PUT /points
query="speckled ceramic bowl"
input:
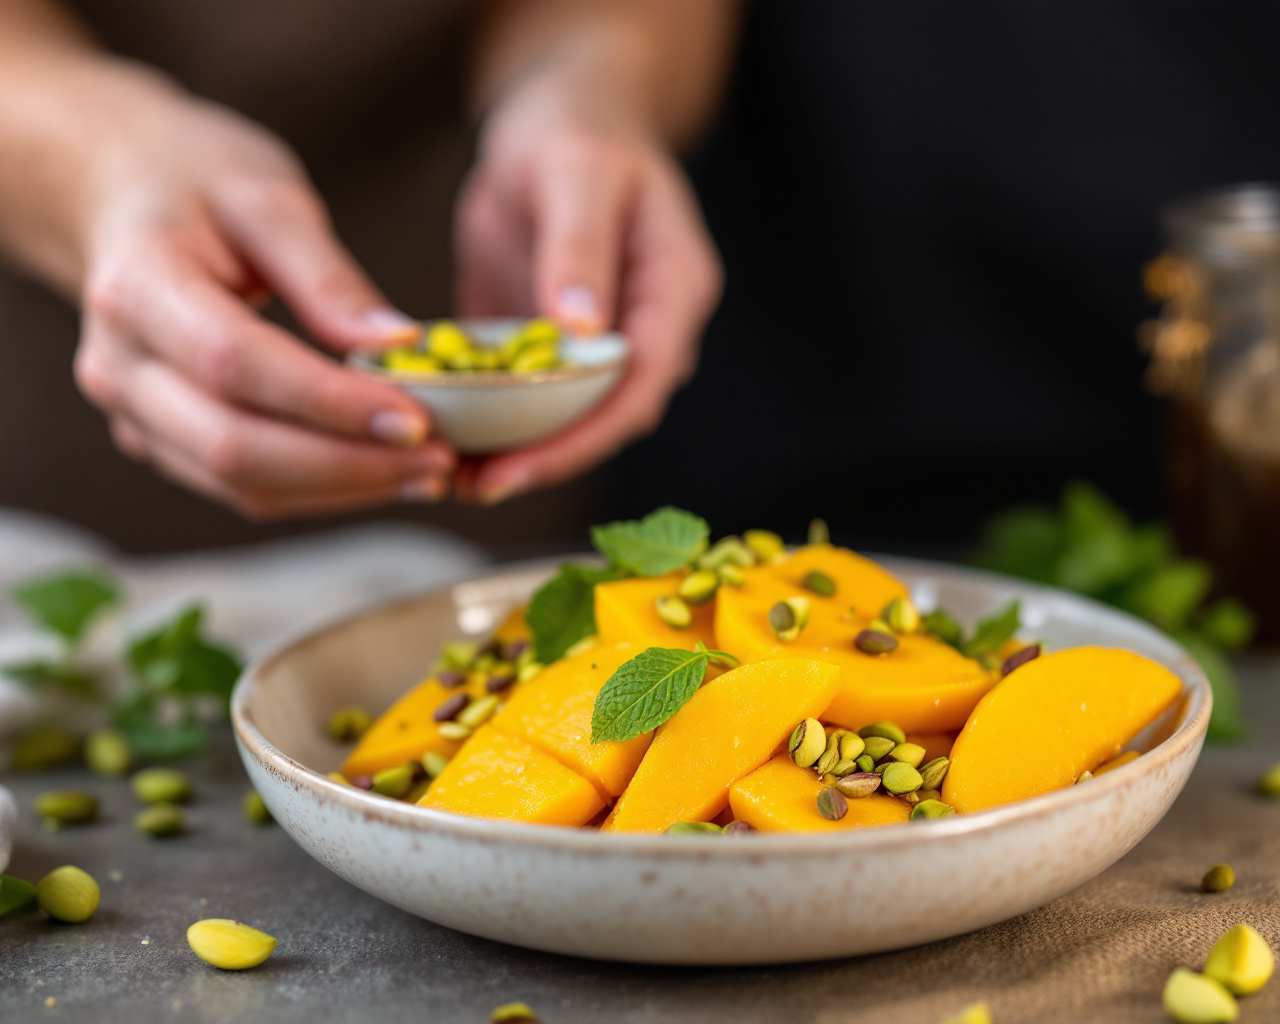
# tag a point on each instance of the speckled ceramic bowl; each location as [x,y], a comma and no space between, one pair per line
[481,413]
[689,899]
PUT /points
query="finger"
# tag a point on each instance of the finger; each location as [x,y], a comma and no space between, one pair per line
[492,247]
[580,213]
[171,306]
[284,231]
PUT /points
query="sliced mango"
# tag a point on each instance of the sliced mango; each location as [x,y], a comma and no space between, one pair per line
[406,730]
[626,610]
[500,776]
[780,797]
[553,712]
[860,582]
[513,627]
[727,729]
[1050,720]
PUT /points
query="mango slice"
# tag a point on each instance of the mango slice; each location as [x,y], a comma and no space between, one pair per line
[513,627]
[500,776]
[552,711]
[1052,719]
[780,797]
[406,730]
[727,729]
[860,582]
[626,610]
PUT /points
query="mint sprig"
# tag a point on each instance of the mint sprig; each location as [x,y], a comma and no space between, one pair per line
[67,602]
[562,611]
[661,542]
[647,690]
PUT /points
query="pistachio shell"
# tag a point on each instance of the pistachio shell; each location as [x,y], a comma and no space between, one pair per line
[229,945]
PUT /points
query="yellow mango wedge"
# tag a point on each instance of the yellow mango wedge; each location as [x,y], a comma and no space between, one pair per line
[1050,720]
[499,776]
[780,797]
[552,711]
[860,582]
[727,729]
[406,730]
[627,610]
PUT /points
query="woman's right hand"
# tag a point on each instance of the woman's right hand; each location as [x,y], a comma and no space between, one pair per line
[191,218]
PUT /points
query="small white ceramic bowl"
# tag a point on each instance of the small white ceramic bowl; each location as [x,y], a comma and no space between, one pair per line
[482,413]
[695,899]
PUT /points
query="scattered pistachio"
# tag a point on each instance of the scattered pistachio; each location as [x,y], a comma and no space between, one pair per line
[106,752]
[68,894]
[393,782]
[453,731]
[1241,961]
[873,641]
[161,786]
[66,806]
[500,683]
[877,747]
[229,945]
[908,753]
[530,669]
[513,1013]
[807,743]
[933,772]
[899,777]
[42,747]
[673,611]
[254,808]
[1270,782]
[346,725]
[766,546]
[160,820]
[859,784]
[829,759]
[885,730]
[459,654]
[818,532]
[694,828]
[737,828]
[819,583]
[727,551]
[1085,776]
[879,769]
[485,663]
[1019,658]
[788,617]
[434,763]
[1191,998]
[851,745]
[448,710]
[900,615]
[832,805]
[931,809]
[477,712]
[698,587]
[450,679]
[731,575]
[843,767]
[865,763]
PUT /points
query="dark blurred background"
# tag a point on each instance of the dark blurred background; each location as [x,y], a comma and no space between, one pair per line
[933,219]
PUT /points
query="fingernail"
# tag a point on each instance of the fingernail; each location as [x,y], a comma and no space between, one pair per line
[508,487]
[391,324]
[429,489]
[398,428]
[579,309]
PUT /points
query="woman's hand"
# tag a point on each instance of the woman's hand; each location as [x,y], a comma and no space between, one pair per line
[192,217]
[576,210]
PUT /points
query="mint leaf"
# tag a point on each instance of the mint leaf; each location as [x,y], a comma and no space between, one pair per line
[1226,721]
[992,631]
[38,674]
[646,691]
[1169,594]
[1024,542]
[661,542]
[941,624]
[1228,623]
[152,740]
[67,602]
[175,658]
[16,895]
[562,611]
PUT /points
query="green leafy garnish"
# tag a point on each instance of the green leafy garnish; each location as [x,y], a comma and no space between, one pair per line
[993,631]
[562,610]
[175,657]
[152,739]
[16,895]
[647,690]
[37,674]
[940,623]
[661,542]
[67,603]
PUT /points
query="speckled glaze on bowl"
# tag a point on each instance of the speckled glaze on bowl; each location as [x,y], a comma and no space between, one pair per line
[689,899]
[481,413]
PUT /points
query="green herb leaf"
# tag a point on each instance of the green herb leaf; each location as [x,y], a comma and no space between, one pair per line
[16,896]
[1228,623]
[151,740]
[1025,542]
[992,631]
[174,658]
[647,690]
[1169,594]
[38,674]
[942,625]
[661,542]
[66,603]
[562,611]
[1226,722]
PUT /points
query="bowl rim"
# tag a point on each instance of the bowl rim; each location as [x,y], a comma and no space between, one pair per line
[1190,732]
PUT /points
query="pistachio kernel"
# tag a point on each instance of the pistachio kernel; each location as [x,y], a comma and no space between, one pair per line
[254,808]
[673,611]
[738,828]
[393,782]
[865,763]
[859,784]
[877,747]
[1218,878]
[933,772]
[1241,961]
[453,731]
[1019,658]
[765,545]
[66,806]
[694,828]
[529,670]
[68,894]
[229,945]
[899,778]
[788,617]
[698,587]
[873,641]
[161,785]
[931,809]
[818,583]
[346,725]
[829,759]
[500,683]
[832,805]
[900,615]
[417,791]
[1191,998]
[477,712]
[448,711]
[843,767]
[1269,784]
[727,551]
[513,1013]
[851,745]
[974,1013]
[1085,776]
[908,753]
[731,575]
[42,747]
[886,730]
[879,769]
[450,679]
[433,763]
[818,532]
[807,743]
[921,795]
[459,654]
[160,820]
[106,752]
